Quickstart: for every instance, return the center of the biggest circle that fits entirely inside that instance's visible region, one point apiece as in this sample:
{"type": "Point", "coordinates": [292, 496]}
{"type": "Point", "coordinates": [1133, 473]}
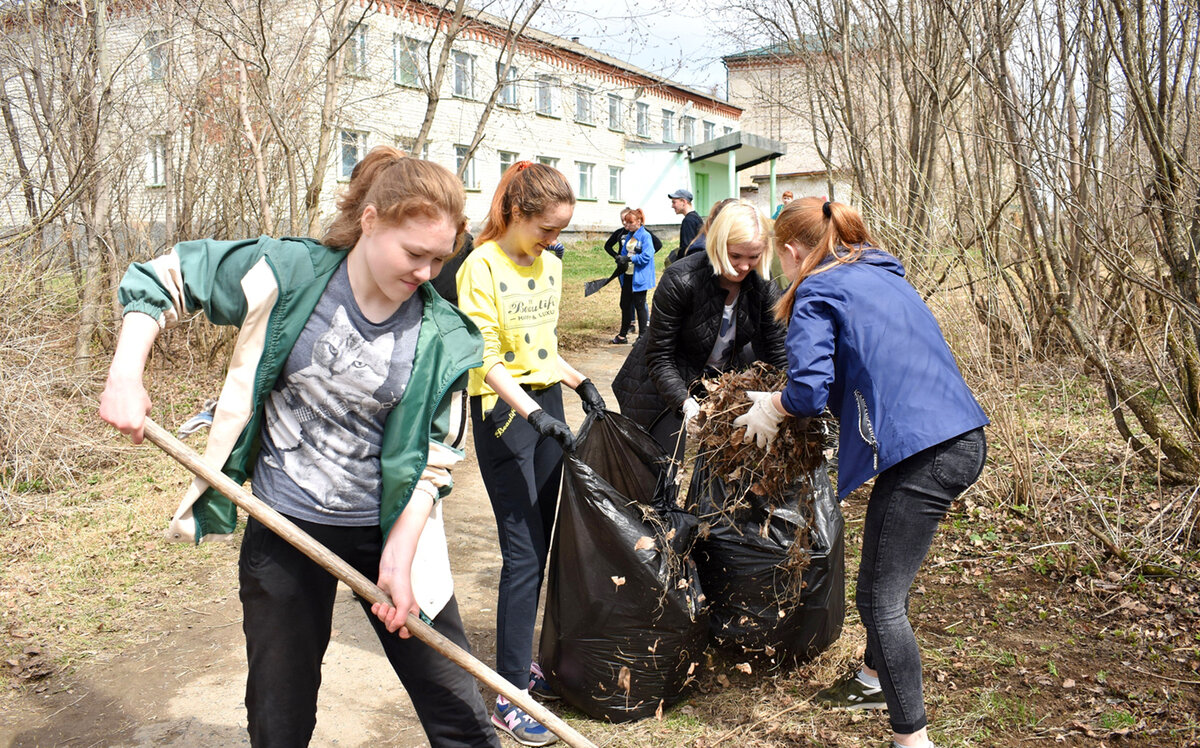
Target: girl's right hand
{"type": "Point", "coordinates": [124, 404]}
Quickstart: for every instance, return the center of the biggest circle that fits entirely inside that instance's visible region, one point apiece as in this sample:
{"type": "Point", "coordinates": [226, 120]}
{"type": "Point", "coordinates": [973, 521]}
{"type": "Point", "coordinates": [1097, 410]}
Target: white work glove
{"type": "Point", "coordinates": [690, 408]}
{"type": "Point", "coordinates": [762, 420]}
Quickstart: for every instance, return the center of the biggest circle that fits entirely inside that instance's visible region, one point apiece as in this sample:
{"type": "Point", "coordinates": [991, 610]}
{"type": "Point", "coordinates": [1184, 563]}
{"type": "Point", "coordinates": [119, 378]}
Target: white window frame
{"type": "Point", "coordinates": [463, 78]}
{"type": "Point", "coordinates": [507, 159]}
{"type": "Point", "coordinates": [616, 111]}
{"type": "Point", "coordinates": [583, 106]}
{"type": "Point", "coordinates": [687, 130]}
{"type": "Point", "coordinates": [355, 52]}
{"type": "Point", "coordinates": [643, 119]}
{"type": "Point", "coordinates": [728, 130]}
{"type": "Point", "coordinates": [509, 94]}
{"type": "Point", "coordinates": [468, 177]}
{"type": "Point", "coordinates": [546, 100]}
{"type": "Point", "coordinates": [156, 54]}
{"type": "Point", "coordinates": [586, 182]}
{"type": "Point", "coordinates": [410, 61]}
{"type": "Point", "coordinates": [668, 126]}
{"type": "Point", "coordinates": [615, 176]}
{"type": "Point", "coordinates": [350, 139]}
{"type": "Point", "coordinates": [156, 160]}
{"type": "Point", "coordinates": [710, 130]}
{"type": "Point", "coordinates": [550, 161]}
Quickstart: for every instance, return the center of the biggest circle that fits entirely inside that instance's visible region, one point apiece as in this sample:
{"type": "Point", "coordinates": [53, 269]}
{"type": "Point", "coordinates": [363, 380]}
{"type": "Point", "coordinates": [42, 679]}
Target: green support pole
{"type": "Point", "coordinates": [733, 185]}
{"type": "Point", "coordinates": [771, 198]}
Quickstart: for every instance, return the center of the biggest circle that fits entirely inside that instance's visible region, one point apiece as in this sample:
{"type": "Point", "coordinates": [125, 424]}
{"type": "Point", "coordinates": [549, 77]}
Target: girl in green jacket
{"type": "Point", "coordinates": [337, 406]}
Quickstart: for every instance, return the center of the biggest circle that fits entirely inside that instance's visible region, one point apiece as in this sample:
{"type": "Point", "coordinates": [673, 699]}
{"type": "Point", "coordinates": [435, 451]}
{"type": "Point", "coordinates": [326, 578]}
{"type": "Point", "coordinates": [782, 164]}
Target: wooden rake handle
{"type": "Point", "coordinates": [366, 589]}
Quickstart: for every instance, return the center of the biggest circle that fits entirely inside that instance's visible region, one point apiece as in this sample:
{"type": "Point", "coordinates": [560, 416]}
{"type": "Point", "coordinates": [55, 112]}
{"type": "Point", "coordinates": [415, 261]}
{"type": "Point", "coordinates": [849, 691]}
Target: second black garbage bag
{"type": "Point", "coordinates": [625, 624]}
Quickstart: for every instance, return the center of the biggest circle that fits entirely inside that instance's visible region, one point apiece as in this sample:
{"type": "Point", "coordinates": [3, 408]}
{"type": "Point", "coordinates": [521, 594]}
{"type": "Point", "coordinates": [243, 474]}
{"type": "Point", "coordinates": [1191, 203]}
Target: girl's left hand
{"type": "Point", "coordinates": [762, 420]}
{"type": "Point", "coordinates": [397, 584]}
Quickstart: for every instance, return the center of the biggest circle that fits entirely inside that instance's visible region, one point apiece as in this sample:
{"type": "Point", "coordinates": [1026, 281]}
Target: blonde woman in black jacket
{"type": "Point", "coordinates": [713, 311]}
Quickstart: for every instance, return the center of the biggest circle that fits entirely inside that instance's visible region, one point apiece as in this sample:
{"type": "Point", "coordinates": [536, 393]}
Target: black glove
{"type": "Point", "coordinates": [622, 262]}
{"type": "Point", "coordinates": [547, 425]}
{"type": "Point", "coordinates": [592, 402]}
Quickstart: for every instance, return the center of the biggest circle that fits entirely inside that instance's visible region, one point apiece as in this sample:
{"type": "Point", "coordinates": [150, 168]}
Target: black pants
{"type": "Point", "coordinates": [521, 470]}
{"type": "Point", "coordinates": [907, 504]}
{"type": "Point", "coordinates": [287, 604]}
{"type": "Point", "coordinates": [632, 302]}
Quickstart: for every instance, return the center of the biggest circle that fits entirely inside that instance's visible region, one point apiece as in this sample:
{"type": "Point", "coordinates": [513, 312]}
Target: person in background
{"type": "Point", "coordinates": [861, 341]}
{"type": "Point", "coordinates": [787, 198]}
{"type": "Point", "coordinates": [637, 253]}
{"type": "Point", "coordinates": [510, 287]}
{"type": "Point", "coordinates": [681, 203]}
{"type": "Point", "coordinates": [713, 312]}
{"type": "Point", "coordinates": [612, 245]}
{"type": "Point", "coordinates": [335, 407]}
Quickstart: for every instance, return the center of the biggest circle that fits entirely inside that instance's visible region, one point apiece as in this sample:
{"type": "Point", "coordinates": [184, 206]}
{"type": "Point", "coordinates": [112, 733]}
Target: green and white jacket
{"type": "Point", "coordinates": [268, 288]}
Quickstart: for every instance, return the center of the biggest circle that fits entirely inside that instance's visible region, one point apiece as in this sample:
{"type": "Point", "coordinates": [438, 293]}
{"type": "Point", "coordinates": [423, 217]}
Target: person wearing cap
{"type": "Point", "coordinates": [681, 201]}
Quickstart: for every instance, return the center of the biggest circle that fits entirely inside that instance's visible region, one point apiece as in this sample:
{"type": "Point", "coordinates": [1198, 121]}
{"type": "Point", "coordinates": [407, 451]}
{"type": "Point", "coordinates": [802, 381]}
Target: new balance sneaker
{"type": "Point", "coordinates": [524, 729]}
{"type": "Point", "coordinates": [538, 685]}
{"type": "Point", "coordinates": [851, 693]}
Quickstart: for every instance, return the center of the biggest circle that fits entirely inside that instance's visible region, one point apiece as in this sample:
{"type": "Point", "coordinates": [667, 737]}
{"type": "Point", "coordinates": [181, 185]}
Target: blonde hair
{"type": "Point", "coordinates": [835, 232]}
{"type": "Point", "coordinates": [739, 222]}
{"type": "Point", "coordinates": [400, 188]}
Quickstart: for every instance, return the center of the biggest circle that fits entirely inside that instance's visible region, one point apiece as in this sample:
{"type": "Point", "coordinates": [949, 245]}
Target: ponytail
{"type": "Point", "coordinates": [400, 188]}
{"type": "Point", "coordinates": [835, 232]}
{"type": "Point", "coordinates": [525, 189]}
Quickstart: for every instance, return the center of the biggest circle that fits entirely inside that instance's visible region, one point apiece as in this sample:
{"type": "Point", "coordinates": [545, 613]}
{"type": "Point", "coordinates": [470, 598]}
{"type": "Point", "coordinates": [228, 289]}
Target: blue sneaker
{"type": "Point", "coordinates": [538, 685]}
{"type": "Point", "coordinates": [524, 729]}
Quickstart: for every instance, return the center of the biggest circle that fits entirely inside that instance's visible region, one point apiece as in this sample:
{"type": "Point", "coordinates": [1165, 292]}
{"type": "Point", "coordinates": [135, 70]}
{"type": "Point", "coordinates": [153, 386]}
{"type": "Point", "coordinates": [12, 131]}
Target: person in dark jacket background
{"type": "Point", "coordinates": [713, 311]}
{"type": "Point", "coordinates": [681, 203]}
{"type": "Point", "coordinates": [637, 270]}
{"type": "Point", "coordinates": [861, 341]}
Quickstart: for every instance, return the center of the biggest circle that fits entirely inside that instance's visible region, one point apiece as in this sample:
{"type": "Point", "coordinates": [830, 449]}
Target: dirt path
{"type": "Point", "coordinates": [184, 686]}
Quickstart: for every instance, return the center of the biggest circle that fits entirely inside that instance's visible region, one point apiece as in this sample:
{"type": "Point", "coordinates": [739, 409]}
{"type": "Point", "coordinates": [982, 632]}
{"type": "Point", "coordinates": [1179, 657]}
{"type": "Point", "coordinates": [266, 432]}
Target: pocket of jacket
{"type": "Point", "coordinates": [958, 462]}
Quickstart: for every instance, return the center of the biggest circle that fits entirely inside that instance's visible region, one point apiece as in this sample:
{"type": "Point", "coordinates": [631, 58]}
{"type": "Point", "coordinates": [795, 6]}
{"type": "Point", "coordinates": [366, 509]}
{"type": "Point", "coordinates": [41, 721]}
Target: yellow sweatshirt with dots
{"type": "Point", "coordinates": [516, 309]}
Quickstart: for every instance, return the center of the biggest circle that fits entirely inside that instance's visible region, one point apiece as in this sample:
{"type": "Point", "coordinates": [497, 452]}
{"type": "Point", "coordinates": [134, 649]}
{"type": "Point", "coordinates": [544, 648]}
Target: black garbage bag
{"type": "Point", "coordinates": [625, 625]}
{"type": "Point", "coordinates": [772, 568]}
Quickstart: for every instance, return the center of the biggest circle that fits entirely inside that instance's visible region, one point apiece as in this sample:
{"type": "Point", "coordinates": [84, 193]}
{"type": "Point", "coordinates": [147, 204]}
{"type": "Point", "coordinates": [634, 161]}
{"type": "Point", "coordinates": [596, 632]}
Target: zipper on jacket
{"type": "Point", "coordinates": [866, 430]}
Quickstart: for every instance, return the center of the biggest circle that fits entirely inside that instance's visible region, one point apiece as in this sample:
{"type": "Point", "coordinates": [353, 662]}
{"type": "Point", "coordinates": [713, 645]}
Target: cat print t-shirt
{"type": "Point", "coordinates": [323, 424]}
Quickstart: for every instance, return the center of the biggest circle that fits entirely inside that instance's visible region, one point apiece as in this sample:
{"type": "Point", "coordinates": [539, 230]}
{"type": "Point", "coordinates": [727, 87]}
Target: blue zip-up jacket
{"type": "Point", "coordinates": [643, 262]}
{"type": "Point", "coordinates": [862, 342]}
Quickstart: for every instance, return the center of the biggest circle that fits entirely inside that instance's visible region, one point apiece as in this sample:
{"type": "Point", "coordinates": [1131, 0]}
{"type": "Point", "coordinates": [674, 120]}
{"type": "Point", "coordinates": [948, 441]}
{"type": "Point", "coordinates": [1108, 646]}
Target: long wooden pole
{"type": "Point", "coordinates": [366, 589]}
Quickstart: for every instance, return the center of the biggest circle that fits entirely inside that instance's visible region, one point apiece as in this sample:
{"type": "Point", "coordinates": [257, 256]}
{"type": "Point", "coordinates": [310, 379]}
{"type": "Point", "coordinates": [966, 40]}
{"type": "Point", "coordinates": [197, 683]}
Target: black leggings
{"type": "Point", "coordinates": [631, 302]}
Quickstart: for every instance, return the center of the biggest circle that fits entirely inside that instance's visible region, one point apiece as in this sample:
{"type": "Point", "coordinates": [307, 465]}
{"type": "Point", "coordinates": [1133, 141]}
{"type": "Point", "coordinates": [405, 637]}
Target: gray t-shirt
{"type": "Point", "coordinates": [323, 424]}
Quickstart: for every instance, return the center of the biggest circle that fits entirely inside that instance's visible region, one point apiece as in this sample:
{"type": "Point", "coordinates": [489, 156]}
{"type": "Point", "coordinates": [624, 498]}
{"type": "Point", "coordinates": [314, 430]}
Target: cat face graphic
{"type": "Point", "coordinates": [349, 361]}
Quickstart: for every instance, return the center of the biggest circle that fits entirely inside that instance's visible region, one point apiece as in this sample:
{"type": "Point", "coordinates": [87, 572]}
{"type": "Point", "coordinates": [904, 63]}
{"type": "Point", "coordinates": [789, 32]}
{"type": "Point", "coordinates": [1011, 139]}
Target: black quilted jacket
{"type": "Point", "coordinates": [684, 324]}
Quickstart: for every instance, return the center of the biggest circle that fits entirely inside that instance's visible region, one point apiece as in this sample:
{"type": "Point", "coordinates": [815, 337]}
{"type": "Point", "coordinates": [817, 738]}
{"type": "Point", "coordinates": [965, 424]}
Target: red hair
{"type": "Point", "coordinates": [638, 215]}
{"type": "Point", "coordinates": [835, 233]}
{"type": "Point", "coordinates": [525, 189]}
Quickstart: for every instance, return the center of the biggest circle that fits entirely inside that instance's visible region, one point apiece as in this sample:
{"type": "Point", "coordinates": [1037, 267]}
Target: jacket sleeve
{"type": "Point", "coordinates": [688, 230]}
{"type": "Point", "coordinates": [770, 344]}
{"type": "Point", "coordinates": [194, 276]}
{"type": "Point", "coordinates": [811, 341]}
{"type": "Point", "coordinates": [666, 321]}
{"type": "Point", "coordinates": [614, 239]}
{"type": "Point", "coordinates": [646, 256]}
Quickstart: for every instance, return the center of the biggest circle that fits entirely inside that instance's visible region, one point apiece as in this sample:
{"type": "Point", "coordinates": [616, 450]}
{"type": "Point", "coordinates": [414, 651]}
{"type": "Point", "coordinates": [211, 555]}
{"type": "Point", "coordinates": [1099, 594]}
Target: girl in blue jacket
{"type": "Point", "coordinates": [861, 342]}
{"type": "Point", "coordinates": [637, 247]}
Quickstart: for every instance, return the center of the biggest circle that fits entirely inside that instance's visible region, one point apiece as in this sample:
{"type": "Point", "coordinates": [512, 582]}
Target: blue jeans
{"type": "Point", "coordinates": [906, 505]}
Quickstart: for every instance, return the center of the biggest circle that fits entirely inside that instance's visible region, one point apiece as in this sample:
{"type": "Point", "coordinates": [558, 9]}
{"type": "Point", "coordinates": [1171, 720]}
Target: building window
{"type": "Point", "coordinates": [688, 127]}
{"type": "Point", "coordinates": [508, 90]}
{"type": "Point", "coordinates": [354, 147]}
{"type": "Point", "coordinates": [615, 105]}
{"type": "Point", "coordinates": [586, 192]}
{"type": "Point", "coordinates": [507, 159]}
{"type": "Point", "coordinates": [407, 145]}
{"type": "Point", "coordinates": [548, 161]}
{"type": "Point", "coordinates": [410, 61]}
{"type": "Point", "coordinates": [668, 122]}
{"type": "Point", "coordinates": [464, 75]}
{"type": "Point", "coordinates": [728, 129]}
{"type": "Point", "coordinates": [156, 54]}
{"type": "Point", "coordinates": [643, 119]}
{"type": "Point", "coordinates": [614, 182]}
{"type": "Point", "coordinates": [547, 95]}
{"type": "Point", "coordinates": [710, 131]}
{"type": "Point", "coordinates": [355, 60]}
{"type": "Point", "coordinates": [468, 174]}
{"type": "Point", "coordinates": [583, 105]}
{"type": "Point", "coordinates": [156, 161]}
